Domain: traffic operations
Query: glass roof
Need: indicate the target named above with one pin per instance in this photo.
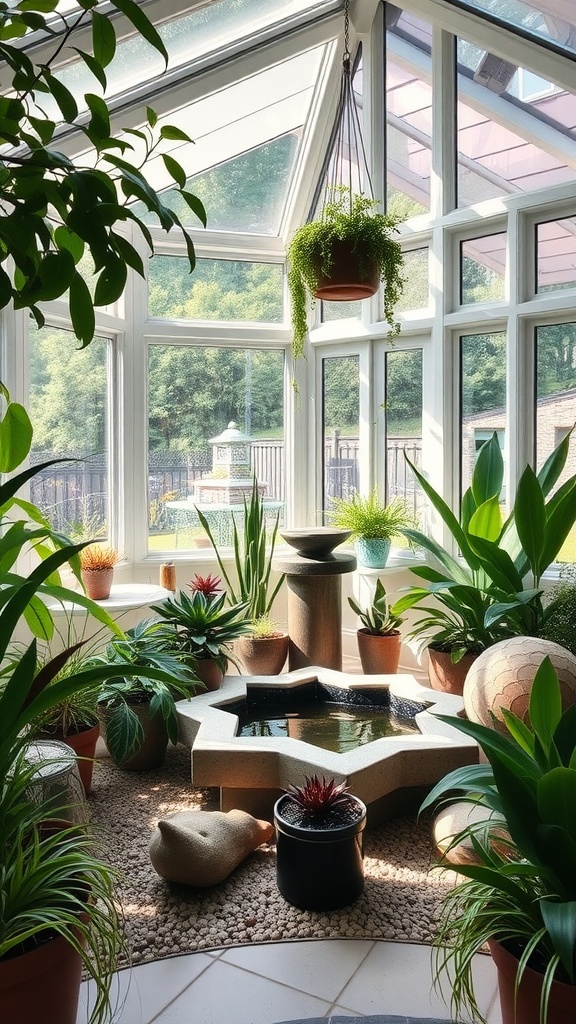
(193, 37)
(552, 20)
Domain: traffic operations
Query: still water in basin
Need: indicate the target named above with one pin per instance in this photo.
(332, 727)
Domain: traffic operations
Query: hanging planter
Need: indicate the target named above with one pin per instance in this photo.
(349, 250)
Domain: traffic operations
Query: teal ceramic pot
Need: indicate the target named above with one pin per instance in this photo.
(372, 552)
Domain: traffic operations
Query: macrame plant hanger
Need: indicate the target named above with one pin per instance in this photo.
(345, 172)
(351, 274)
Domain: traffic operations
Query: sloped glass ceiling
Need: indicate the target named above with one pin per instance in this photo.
(209, 29)
(246, 140)
(553, 20)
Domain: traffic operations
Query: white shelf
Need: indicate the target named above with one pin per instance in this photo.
(123, 596)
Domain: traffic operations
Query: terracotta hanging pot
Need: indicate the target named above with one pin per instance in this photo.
(97, 583)
(523, 1007)
(446, 675)
(350, 277)
(264, 655)
(379, 654)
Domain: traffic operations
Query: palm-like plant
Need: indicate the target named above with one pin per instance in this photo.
(522, 893)
(481, 595)
(379, 618)
(202, 627)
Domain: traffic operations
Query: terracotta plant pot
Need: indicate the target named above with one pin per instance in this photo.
(152, 753)
(346, 282)
(209, 672)
(319, 869)
(379, 654)
(262, 656)
(42, 985)
(446, 675)
(83, 744)
(97, 583)
(525, 1008)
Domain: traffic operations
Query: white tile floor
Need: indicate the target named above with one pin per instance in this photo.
(283, 981)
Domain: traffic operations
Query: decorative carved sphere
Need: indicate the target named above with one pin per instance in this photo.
(502, 677)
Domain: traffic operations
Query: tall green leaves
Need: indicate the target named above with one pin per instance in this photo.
(54, 208)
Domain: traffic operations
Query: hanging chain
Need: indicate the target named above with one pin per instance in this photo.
(346, 55)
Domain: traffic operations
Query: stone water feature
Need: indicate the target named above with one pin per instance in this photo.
(390, 774)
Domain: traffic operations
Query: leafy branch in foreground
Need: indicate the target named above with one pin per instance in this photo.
(53, 208)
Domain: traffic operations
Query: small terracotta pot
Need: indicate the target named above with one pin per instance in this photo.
(525, 1008)
(346, 282)
(446, 675)
(262, 656)
(209, 672)
(83, 744)
(379, 654)
(97, 583)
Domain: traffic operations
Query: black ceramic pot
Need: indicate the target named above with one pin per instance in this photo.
(319, 869)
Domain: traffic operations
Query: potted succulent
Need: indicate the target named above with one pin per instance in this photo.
(492, 589)
(520, 896)
(137, 712)
(97, 563)
(344, 255)
(263, 648)
(201, 630)
(379, 639)
(319, 851)
(373, 524)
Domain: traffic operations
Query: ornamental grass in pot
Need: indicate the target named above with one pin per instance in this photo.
(319, 844)
(97, 563)
(344, 255)
(520, 896)
(373, 524)
(379, 639)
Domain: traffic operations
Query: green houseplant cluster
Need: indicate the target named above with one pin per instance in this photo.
(91, 201)
(492, 589)
(522, 892)
(356, 221)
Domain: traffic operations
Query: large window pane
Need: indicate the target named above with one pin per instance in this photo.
(483, 396)
(341, 426)
(416, 293)
(69, 413)
(193, 394)
(217, 290)
(403, 408)
(556, 402)
(408, 141)
(499, 155)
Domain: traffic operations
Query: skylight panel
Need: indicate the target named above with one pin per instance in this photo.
(553, 20)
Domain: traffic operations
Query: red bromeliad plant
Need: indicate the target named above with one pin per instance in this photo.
(207, 585)
(319, 796)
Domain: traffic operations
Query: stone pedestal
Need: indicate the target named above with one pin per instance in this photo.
(315, 608)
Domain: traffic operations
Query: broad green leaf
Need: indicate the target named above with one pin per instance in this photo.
(545, 706)
(530, 518)
(66, 239)
(560, 522)
(100, 120)
(93, 66)
(519, 731)
(56, 271)
(137, 17)
(556, 792)
(486, 521)
(111, 282)
(447, 516)
(551, 471)
(15, 437)
(560, 921)
(173, 134)
(175, 170)
(196, 205)
(103, 39)
(152, 116)
(81, 310)
(488, 473)
(63, 97)
(45, 6)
